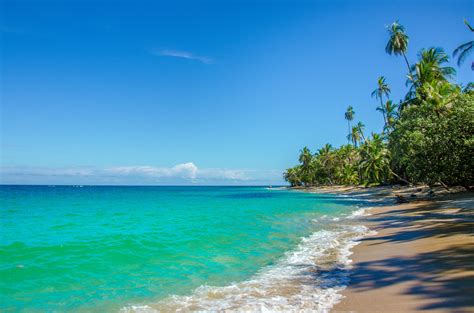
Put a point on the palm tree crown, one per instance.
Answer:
(389, 111)
(381, 91)
(430, 67)
(305, 156)
(398, 42)
(349, 115)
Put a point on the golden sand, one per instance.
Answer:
(422, 257)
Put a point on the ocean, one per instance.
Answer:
(147, 249)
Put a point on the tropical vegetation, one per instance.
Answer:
(428, 137)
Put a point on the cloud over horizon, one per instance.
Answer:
(183, 55)
(184, 173)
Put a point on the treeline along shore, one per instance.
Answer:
(427, 138)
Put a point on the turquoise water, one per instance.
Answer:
(100, 249)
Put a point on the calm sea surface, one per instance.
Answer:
(93, 248)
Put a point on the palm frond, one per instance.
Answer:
(464, 52)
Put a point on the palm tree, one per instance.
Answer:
(354, 136)
(305, 156)
(293, 176)
(465, 49)
(360, 129)
(325, 156)
(375, 161)
(349, 116)
(389, 110)
(381, 91)
(430, 68)
(398, 42)
(306, 165)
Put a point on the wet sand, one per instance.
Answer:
(422, 257)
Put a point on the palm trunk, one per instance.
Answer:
(400, 178)
(383, 113)
(409, 69)
(349, 130)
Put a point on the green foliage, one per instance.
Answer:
(430, 68)
(398, 41)
(434, 143)
(375, 162)
(428, 138)
(383, 90)
(293, 176)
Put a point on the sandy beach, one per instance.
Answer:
(422, 257)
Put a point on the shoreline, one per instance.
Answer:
(421, 257)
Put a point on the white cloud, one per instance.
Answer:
(183, 55)
(185, 173)
(185, 170)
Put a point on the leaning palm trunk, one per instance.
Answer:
(410, 74)
(400, 178)
(384, 115)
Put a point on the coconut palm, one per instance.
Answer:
(305, 156)
(430, 68)
(325, 156)
(375, 162)
(305, 159)
(463, 51)
(398, 42)
(360, 129)
(346, 161)
(349, 116)
(293, 176)
(381, 91)
(354, 136)
(389, 110)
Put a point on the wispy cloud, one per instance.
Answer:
(185, 173)
(183, 55)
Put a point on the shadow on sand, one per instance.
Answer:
(445, 276)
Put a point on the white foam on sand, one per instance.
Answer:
(309, 278)
(360, 212)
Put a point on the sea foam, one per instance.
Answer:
(309, 278)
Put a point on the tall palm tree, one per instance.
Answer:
(381, 91)
(398, 42)
(349, 116)
(465, 49)
(306, 165)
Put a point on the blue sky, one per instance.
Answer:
(197, 92)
